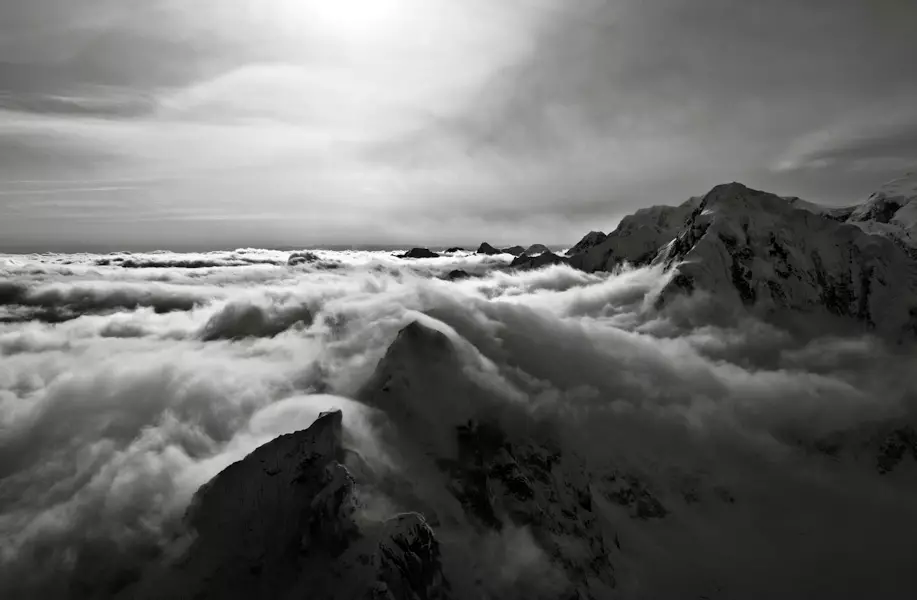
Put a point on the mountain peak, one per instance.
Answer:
(416, 338)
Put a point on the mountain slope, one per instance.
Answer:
(637, 239)
(783, 257)
(757, 249)
(282, 523)
(494, 472)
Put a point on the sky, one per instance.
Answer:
(129, 124)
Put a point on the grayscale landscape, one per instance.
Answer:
(442, 300)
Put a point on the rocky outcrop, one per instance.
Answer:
(282, 523)
(526, 263)
(514, 250)
(501, 475)
(420, 253)
(298, 258)
(454, 249)
(457, 274)
(589, 241)
(535, 250)
(487, 249)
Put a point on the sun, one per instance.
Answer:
(353, 20)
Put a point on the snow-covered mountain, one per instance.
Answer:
(636, 240)
(781, 256)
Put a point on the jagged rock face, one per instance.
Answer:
(528, 483)
(525, 262)
(637, 239)
(420, 253)
(535, 250)
(280, 523)
(589, 241)
(761, 251)
(514, 250)
(486, 248)
(497, 477)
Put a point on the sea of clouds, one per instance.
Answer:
(129, 380)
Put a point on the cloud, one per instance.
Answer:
(111, 420)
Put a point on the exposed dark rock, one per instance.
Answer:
(590, 240)
(514, 250)
(536, 262)
(454, 249)
(536, 249)
(457, 274)
(281, 523)
(298, 258)
(486, 248)
(895, 447)
(420, 253)
(629, 491)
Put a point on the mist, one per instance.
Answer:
(158, 372)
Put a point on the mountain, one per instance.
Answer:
(283, 523)
(637, 238)
(779, 256)
(589, 241)
(482, 498)
(891, 211)
(535, 250)
(537, 261)
(491, 471)
(419, 253)
(757, 249)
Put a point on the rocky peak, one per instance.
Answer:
(527, 262)
(282, 523)
(486, 248)
(420, 253)
(590, 240)
(761, 250)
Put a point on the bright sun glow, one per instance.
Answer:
(354, 20)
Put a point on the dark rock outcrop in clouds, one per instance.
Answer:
(535, 250)
(486, 248)
(420, 253)
(589, 241)
(537, 261)
(282, 523)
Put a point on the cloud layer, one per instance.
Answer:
(162, 369)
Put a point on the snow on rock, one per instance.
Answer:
(637, 239)
(536, 250)
(589, 241)
(757, 249)
(281, 523)
(891, 211)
